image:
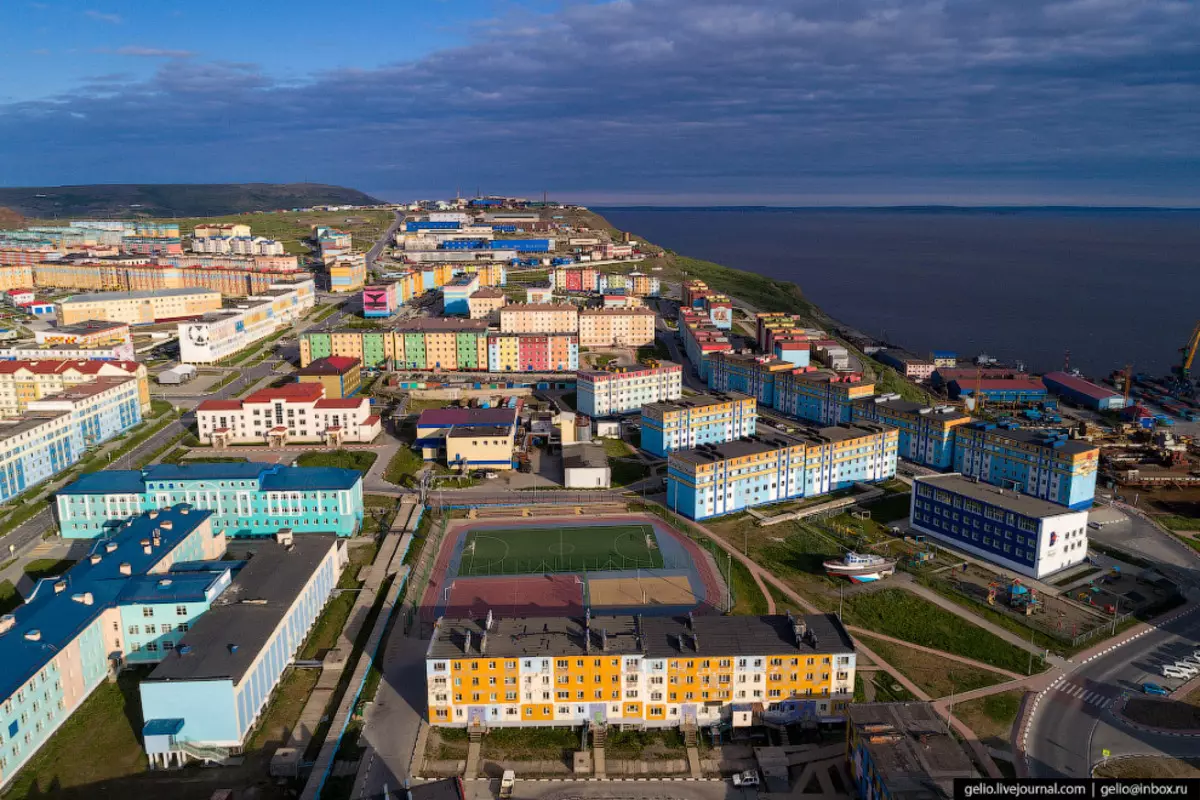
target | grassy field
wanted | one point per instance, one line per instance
(992, 717)
(886, 688)
(47, 567)
(627, 472)
(293, 227)
(536, 550)
(1150, 767)
(747, 597)
(903, 615)
(360, 460)
(937, 676)
(403, 466)
(520, 744)
(10, 598)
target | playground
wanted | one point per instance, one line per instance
(569, 548)
(612, 564)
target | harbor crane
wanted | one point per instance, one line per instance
(1189, 354)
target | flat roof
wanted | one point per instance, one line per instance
(1035, 438)
(142, 295)
(87, 326)
(581, 455)
(653, 637)
(435, 324)
(226, 640)
(1008, 499)
(82, 391)
(910, 748)
(911, 407)
(699, 401)
(442, 417)
(462, 431)
(270, 477)
(766, 441)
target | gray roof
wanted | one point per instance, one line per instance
(699, 401)
(994, 495)
(462, 431)
(910, 407)
(911, 751)
(768, 439)
(225, 641)
(1032, 437)
(653, 637)
(584, 454)
(143, 295)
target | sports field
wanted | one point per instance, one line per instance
(527, 551)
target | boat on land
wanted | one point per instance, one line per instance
(860, 568)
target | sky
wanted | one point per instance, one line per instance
(672, 102)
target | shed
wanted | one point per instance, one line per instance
(180, 373)
(585, 466)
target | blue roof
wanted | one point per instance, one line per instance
(271, 477)
(54, 619)
(173, 587)
(162, 727)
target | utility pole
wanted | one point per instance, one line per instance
(1030, 670)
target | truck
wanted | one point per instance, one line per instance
(508, 782)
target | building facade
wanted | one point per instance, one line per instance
(903, 751)
(926, 432)
(1083, 393)
(484, 302)
(908, 365)
(616, 327)
(701, 340)
(138, 308)
(539, 318)
(652, 671)
(247, 499)
(601, 393)
(1016, 532)
(339, 376)
(820, 396)
(298, 412)
(22, 382)
(456, 294)
(1049, 466)
(89, 333)
(692, 421)
(220, 334)
(748, 374)
(713, 480)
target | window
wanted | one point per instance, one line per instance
(147, 611)
(181, 611)
(150, 629)
(133, 630)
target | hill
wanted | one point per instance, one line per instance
(174, 200)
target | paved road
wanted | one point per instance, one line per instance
(383, 240)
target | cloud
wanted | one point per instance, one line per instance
(101, 16)
(736, 97)
(153, 52)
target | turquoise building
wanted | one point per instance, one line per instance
(73, 630)
(203, 701)
(247, 500)
(1046, 465)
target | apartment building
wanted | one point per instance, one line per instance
(532, 352)
(620, 390)
(821, 396)
(1014, 531)
(926, 432)
(230, 279)
(616, 327)
(23, 382)
(247, 499)
(337, 375)
(67, 352)
(237, 245)
(637, 670)
(748, 374)
(575, 279)
(104, 407)
(89, 333)
(221, 230)
(540, 318)
(1049, 466)
(482, 303)
(689, 422)
(717, 479)
(298, 412)
(904, 751)
(456, 295)
(907, 364)
(347, 273)
(121, 604)
(220, 334)
(701, 339)
(138, 308)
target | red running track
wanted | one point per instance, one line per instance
(516, 596)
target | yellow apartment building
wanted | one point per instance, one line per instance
(138, 308)
(653, 671)
(483, 302)
(616, 327)
(539, 318)
(22, 382)
(19, 276)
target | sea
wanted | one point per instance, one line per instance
(1112, 286)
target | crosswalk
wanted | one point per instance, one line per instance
(1089, 696)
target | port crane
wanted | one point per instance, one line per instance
(1182, 383)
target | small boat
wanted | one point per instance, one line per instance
(860, 568)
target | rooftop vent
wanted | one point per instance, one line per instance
(34, 635)
(284, 537)
(184, 510)
(6, 622)
(94, 558)
(85, 598)
(110, 547)
(126, 568)
(166, 524)
(233, 648)
(153, 515)
(165, 582)
(60, 586)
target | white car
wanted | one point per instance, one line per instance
(1186, 669)
(747, 779)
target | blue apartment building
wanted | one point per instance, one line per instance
(1046, 465)
(752, 375)
(247, 499)
(692, 421)
(926, 432)
(825, 398)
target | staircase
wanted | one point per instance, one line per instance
(599, 735)
(216, 755)
(474, 746)
(691, 741)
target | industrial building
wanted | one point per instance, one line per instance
(755, 375)
(220, 334)
(713, 480)
(926, 432)
(1041, 464)
(1015, 390)
(204, 698)
(637, 670)
(248, 499)
(689, 422)
(1031, 537)
(620, 390)
(339, 376)
(138, 308)
(124, 603)
(1083, 393)
(22, 382)
(904, 751)
(616, 327)
(468, 437)
(298, 412)
(824, 397)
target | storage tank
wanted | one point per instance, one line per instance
(583, 428)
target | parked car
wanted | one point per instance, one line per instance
(747, 779)
(1154, 688)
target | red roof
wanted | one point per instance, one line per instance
(343, 402)
(220, 405)
(371, 420)
(338, 363)
(52, 366)
(1031, 384)
(1077, 384)
(297, 392)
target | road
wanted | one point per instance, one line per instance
(383, 240)
(1073, 724)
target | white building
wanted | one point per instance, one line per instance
(1015, 531)
(585, 466)
(222, 333)
(625, 389)
(238, 245)
(298, 412)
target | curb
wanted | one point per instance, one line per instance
(1118, 711)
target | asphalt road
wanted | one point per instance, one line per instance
(377, 248)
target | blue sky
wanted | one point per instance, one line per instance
(655, 101)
